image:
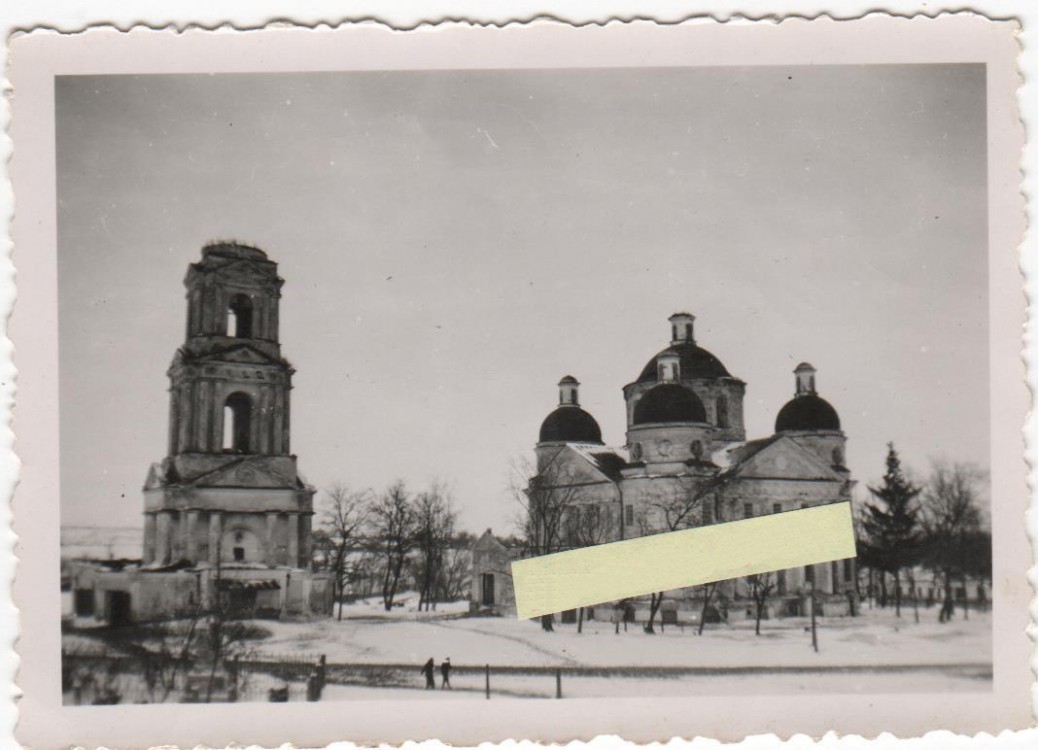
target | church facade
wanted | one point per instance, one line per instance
(227, 516)
(686, 461)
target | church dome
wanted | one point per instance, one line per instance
(570, 424)
(807, 412)
(669, 402)
(695, 362)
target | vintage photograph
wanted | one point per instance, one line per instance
(322, 335)
(361, 340)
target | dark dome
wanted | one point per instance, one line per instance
(570, 424)
(696, 362)
(669, 402)
(807, 412)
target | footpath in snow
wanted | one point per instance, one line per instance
(369, 635)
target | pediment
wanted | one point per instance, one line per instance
(245, 472)
(785, 459)
(242, 354)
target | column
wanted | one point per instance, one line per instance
(263, 416)
(215, 532)
(307, 545)
(191, 542)
(293, 540)
(149, 537)
(162, 540)
(204, 410)
(824, 580)
(269, 555)
(287, 411)
(278, 421)
(174, 415)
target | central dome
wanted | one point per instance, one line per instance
(669, 402)
(695, 362)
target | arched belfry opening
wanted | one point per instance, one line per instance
(239, 317)
(237, 423)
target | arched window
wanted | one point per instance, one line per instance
(722, 411)
(237, 423)
(239, 317)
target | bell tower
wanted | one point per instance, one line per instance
(228, 490)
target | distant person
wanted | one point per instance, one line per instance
(429, 670)
(445, 670)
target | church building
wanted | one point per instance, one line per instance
(227, 516)
(685, 462)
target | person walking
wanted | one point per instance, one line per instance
(445, 670)
(429, 670)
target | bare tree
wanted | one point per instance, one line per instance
(545, 498)
(680, 506)
(586, 525)
(342, 516)
(393, 523)
(761, 586)
(435, 521)
(953, 526)
(456, 572)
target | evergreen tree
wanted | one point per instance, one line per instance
(893, 539)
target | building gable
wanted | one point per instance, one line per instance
(783, 458)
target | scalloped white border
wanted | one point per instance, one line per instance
(195, 15)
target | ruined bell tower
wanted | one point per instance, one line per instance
(228, 492)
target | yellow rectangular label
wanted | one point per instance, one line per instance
(677, 559)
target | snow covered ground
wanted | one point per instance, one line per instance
(368, 635)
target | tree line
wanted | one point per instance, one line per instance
(391, 541)
(937, 525)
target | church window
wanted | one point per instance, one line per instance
(237, 418)
(239, 317)
(837, 456)
(239, 554)
(809, 574)
(776, 507)
(848, 569)
(747, 510)
(781, 576)
(674, 332)
(688, 331)
(834, 576)
(629, 515)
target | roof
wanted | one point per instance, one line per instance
(570, 424)
(233, 250)
(609, 461)
(669, 402)
(696, 363)
(807, 412)
(569, 380)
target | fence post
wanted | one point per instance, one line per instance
(322, 670)
(558, 683)
(487, 672)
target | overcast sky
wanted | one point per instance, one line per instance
(455, 242)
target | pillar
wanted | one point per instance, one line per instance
(215, 532)
(162, 540)
(191, 534)
(293, 540)
(204, 410)
(307, 545)
(149, 537)
(269, 555)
